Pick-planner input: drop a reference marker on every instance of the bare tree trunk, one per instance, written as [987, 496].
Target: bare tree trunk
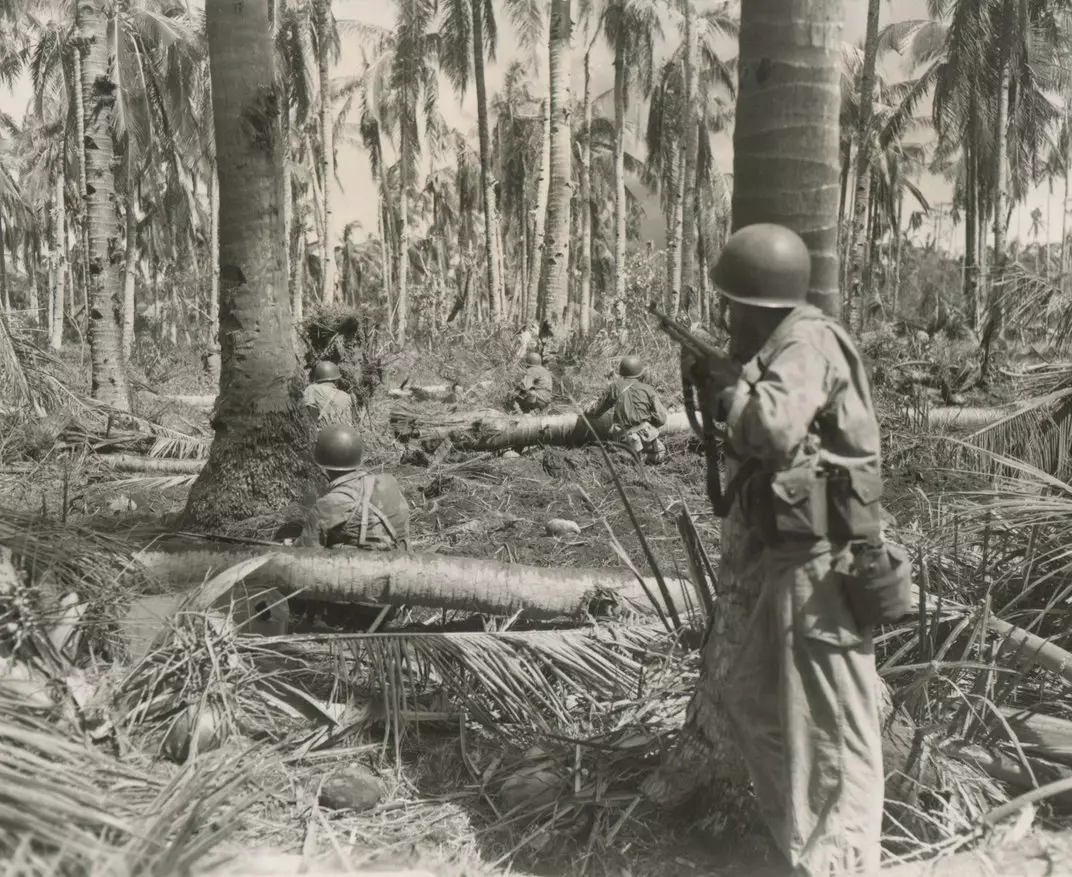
[621, 83]
[80, 151]
[298, 256]
[109, 383]
[692, 148]
[1001, 199]
[403, 239]
[554, 274]
[5, 302]
[533, 305]
[214, 257]
[487, 178]
[971, 232]
[322, 11]
[677, 229]
[586, 202]
[130, 264]
[59, 245]
[261, 457]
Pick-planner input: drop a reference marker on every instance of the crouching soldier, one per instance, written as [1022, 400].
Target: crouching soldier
[637, 411]
[328, 403]
[536, 386]
[360, 510]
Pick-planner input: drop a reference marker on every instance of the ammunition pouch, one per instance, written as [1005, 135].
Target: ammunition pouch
[878, 585]
[787, 506]
[854, 505]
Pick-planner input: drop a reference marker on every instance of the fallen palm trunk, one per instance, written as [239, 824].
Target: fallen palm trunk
[192, 401]
[491, 430]
[411, 579]
[154, 465]
[435, 392]
[1034, 649]
[967, 417]
[1043, 855]
[1047, 736]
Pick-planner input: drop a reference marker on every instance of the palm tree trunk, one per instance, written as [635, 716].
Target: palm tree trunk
[80, 151]
[487, 178]
[109, 384]
[621, 83]
[5, 302]
[586, 202]
[434, 580]
[857, 241]
[677, 230]
[214, 256]
[786, 170]
[296, 281]
[322, 12]
[1001, 165]
[554, 273]
[261, 457]
[971, 231]
[385, 254]
[403, 238]
[533, 305]
[130, 265]
[690, 192]
[59, 244]
[898, 242]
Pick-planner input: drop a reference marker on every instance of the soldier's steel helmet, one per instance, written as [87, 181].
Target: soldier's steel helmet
[339, 447]
[533, 358]
[325, 372]
[764, 265]
[631, 367]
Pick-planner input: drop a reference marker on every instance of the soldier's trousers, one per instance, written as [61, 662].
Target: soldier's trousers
[803, 699]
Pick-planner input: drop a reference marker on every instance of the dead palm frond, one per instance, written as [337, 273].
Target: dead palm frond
[67, 807]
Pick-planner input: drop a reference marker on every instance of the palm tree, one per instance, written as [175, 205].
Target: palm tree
[258, 414]
[108, 381]
[631, 28]
[469, 34]
[791, 99]
[554, 273]
[863, 181]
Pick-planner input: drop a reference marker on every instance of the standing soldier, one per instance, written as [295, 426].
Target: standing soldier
[534, 391]
[360, 510]
[637, 411]
[323, 396]
[803, 692]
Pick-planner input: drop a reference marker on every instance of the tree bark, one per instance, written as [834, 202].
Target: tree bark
[130, 264]
[214, 258]
[322, 11]
[403, 237]
[487, 178]
[261, 458]
[494, 431]
[586, 202]
[1001, 177]
[677, 228]
[621, 85]
[554, 273]
[858, 241]
[80, 151]
[785, 163]
[108, 381]
[533, 305]
[691, 186]
[5, 302]
[412, 579]
[59, 243]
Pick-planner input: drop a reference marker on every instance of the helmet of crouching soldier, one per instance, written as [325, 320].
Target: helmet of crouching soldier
[631, 367]
[339, 448]
[326, 372]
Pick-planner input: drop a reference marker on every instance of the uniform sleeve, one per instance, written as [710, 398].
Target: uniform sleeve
[769, 414]
[602, 405]
[658, 412]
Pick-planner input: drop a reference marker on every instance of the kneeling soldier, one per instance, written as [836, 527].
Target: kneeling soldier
[637, 411]
[360, 510]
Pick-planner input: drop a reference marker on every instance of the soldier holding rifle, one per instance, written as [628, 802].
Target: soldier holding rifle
[801, 426]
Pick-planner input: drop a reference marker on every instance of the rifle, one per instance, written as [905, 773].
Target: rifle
[716, 366]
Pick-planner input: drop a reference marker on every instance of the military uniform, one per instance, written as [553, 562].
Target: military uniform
[803, 693]
[329, 403]
[637, 416]
[535, 389]
[361, 510]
